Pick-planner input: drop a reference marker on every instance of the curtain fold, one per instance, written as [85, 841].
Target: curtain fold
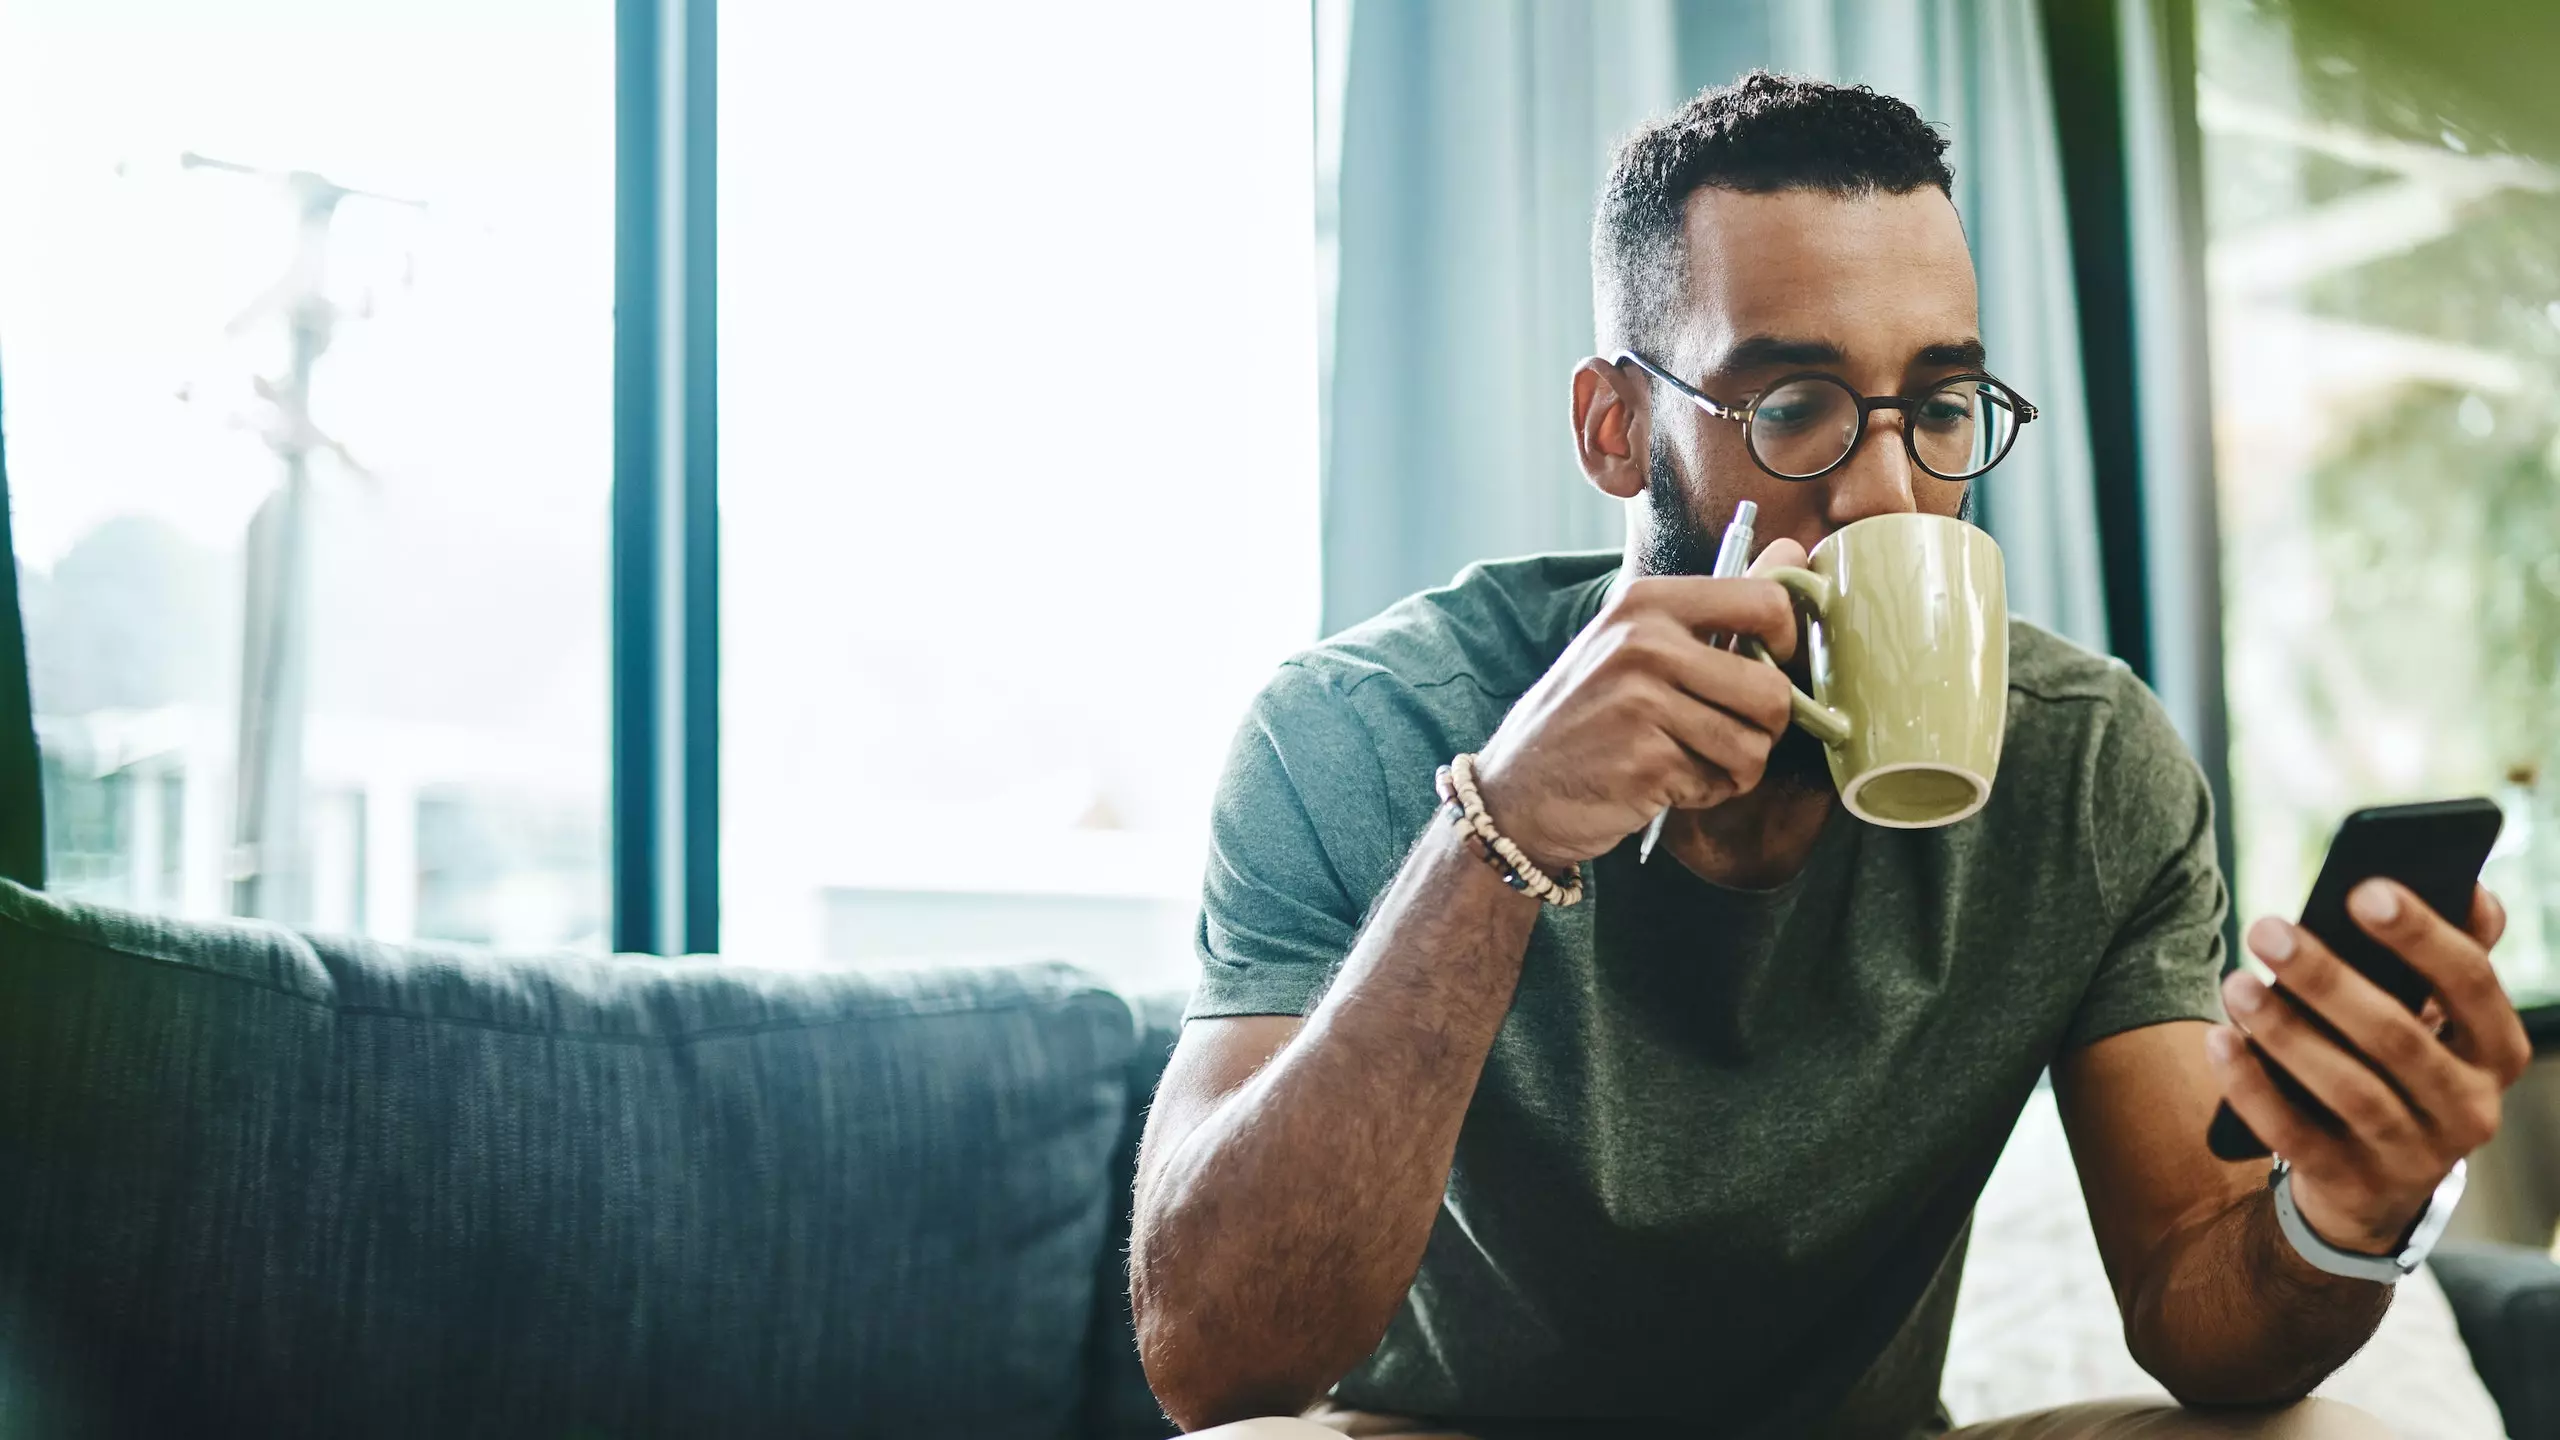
[1473, 138]
[1474, 135]
[21, 777]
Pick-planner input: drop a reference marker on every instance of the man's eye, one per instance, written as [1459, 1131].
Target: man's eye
[1944, 411]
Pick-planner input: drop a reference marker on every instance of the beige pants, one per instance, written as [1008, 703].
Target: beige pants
[2106, 1420]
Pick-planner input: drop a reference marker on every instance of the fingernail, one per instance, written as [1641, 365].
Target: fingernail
[2271, 940]
[2375, 902]
[2244, 994]
[2221, 1044]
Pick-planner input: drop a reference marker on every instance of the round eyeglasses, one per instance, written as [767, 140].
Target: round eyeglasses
[1806, 425]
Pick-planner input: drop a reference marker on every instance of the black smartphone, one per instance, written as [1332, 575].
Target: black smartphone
[2436, 849]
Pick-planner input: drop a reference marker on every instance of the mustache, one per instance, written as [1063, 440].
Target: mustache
[1675, 542]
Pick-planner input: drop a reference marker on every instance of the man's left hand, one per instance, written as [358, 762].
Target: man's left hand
[2412, 1095]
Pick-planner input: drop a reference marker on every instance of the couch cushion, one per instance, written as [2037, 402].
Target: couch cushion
[2508, 1300]
[253, 1181]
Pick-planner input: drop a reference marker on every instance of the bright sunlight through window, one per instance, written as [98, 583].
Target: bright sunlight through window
[1018, 464]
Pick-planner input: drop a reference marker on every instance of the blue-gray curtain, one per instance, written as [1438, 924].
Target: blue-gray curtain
[1461, 145]
[21, 779]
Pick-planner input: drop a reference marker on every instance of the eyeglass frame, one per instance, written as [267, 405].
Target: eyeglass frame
[1867, 405]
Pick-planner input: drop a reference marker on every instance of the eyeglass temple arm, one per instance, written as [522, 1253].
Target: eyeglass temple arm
[1705, 401]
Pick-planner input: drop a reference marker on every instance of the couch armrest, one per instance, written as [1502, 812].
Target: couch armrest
[2507, 1300]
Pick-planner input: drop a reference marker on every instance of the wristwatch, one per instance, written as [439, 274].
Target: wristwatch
[2355, 1265]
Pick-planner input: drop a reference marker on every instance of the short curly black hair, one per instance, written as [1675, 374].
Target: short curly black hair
[1761, 133]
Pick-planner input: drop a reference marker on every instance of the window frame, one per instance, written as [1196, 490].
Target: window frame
[664, 820]
[21, 767]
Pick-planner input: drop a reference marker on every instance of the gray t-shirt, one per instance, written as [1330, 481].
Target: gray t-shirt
[1722, 1160]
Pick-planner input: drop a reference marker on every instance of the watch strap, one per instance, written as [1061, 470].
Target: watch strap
[2356, 1265]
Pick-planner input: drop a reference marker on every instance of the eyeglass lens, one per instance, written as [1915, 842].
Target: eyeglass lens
[1806, 425]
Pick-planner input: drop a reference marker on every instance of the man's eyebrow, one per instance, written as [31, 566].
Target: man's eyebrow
[1961, 354]
[1759, 352]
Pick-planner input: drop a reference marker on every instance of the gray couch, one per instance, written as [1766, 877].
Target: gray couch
[256, 1183]
[253, 1182]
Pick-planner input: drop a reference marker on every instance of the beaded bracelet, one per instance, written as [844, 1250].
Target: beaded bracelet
[1456, 783]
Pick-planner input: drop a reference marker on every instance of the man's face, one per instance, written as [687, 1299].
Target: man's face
[1876, 289]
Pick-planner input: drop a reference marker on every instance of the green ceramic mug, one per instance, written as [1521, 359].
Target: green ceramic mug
[1908, 640]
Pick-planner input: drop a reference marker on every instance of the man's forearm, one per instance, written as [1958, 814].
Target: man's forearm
[2232, 1316]
[1276, 1240]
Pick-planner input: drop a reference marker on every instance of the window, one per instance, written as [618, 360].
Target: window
[2385, 310]
[1018, 459]
[308, 316]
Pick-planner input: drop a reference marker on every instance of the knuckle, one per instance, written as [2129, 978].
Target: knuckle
[2481, 977]
[2475, 989]
[1778, 611]
[2399, 1132]
[1668, 756]
[1752, 763]
[1625, 643]
[2470, 1124]
[2364, 1106]
[2400, 1045]
[1768, 695]
[1647, 703]
[2487, 1116]
[1654, 636]
[2516, 1057]
[1756, 744]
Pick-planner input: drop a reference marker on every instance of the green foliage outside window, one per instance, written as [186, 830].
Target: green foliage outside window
[2385, 263]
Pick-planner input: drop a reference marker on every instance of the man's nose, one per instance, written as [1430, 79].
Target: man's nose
[1878, 476]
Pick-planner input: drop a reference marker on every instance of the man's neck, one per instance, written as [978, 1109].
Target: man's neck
[1754, 842]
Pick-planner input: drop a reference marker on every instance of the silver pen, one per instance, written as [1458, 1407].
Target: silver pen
[1733, 555]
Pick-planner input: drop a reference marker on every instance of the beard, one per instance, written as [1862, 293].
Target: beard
[1676, 542]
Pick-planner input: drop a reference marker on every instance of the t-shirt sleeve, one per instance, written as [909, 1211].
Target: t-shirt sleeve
[1284, 896]
[2158, 877]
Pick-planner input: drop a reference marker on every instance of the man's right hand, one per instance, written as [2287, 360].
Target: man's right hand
[1641, 714]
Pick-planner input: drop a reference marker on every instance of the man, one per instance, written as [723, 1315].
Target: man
[1697, 1155]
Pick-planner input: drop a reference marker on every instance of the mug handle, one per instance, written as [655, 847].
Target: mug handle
[1819, 720]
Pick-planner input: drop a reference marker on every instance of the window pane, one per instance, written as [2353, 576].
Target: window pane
[2386, 331]
[1018, 493]
[310, 444]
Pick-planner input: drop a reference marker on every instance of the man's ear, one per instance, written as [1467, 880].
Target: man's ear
[1611, 427]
